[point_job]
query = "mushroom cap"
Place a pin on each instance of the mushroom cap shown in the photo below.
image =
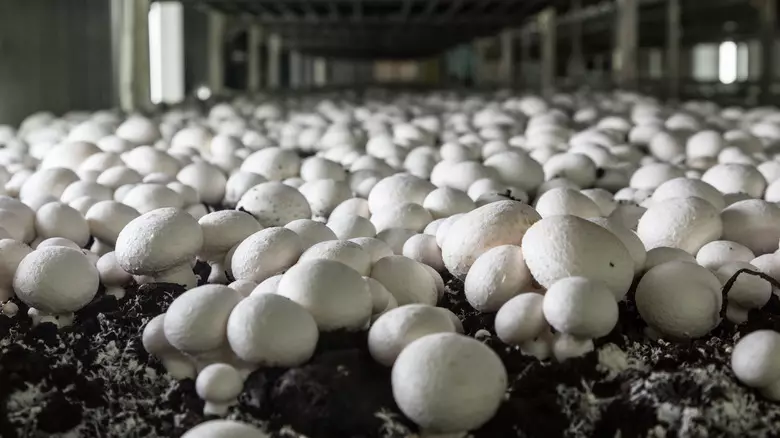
(106, 219)
(148, 160)
(681, 300)
(406, 279)
(158, 241)
(374, 247)
(69, 155)
(225, 229)
(603, 199)
(736, 178)
(663, 254)
(275, 204)
(314, 168)
(755, 359)
(395, 238)
(196, 321)
(517, 169)
(580, 307)
(47, 182)
(753, 223)
(685, 223)
(86, 188)
(56, 280)
(398, 189)
(446, 382)
(117, 176)
(563, 200)
(56, 241)
(11, 254)
(564, 246)
(219, 382)
(498, 223)
(25, 213)
(238, 184)
(381, 299)
(629, 238)
(273, 163)
(146, 197)
(14, 224)
(685, 188)
(269, 286)
(721, 252)
(651, 176)
(351, 206)
(748, 291)
(521, 319)
(333, 293)
(207, 179)
(244, 287)
(343, 251)
(264, 254)
(575, 167)
(311, 232)
(111, 274)
(445, 201)
(153, 337)
(397, 328)
(423, 248)
(271, 330)
(497, 276)
(401, 215)
(56, 219)
(347, 226)
(324, 195)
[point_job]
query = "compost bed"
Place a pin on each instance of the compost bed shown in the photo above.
(94, 379)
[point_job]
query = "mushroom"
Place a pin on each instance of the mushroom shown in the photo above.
(423, 248)
(55, 282)
(375, 248)
(575, 167)
(448, 383)
(347, 226)
(244, 287)
(497, 276)
(748, 292)
(398, 189)
(397, 328)
(11, 254)
(207, 179)
(564, 246)
(264, 254)
(498, 223)
(106, 219)
(718, 253)
(629, 239)
(686, 188)
(753, 223)
(335, 294)
(155, 343)
(324, 195)
(381, 299)
(517, 169)
(401, 215)
(275, 204)
(563, 200)
(344, 251)
(25, 215)
(579, 309)
(444, 202)
(271, 330)
(86, 188)
(224, 429)
(755, 361)
(603, 199)
(685, 223)
(406, 279)
(56, 219)
(679, 300)
(273, 163)
(651, 176)
(47, 182)
(158, 244)
(238, 184)
(352, 206)
(222, 230)
(736, 178)
(520, 321)
(196, 323)
(311, 232)
(113, 277)
(396, 238)
(219, 384)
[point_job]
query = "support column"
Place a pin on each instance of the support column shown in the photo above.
(320, 72)
(479, 62)
(768, 14)
(508, 57)
(525, 57)
(549, 42)
(254, 63)
(673, 40)
(216, 51)
(626, 44)
(131, 56)
(274, 61)
(296, 70)
(576, 61)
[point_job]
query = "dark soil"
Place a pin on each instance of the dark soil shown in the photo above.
(94, 379)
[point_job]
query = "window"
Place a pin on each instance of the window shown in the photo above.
(705, 62)
(727, 62)
(166, 52)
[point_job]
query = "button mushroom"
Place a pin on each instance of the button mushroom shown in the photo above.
(398, 327)
(264, 254)
(222, 230)
(520, 321)
(755, 361)
(747, 292)
(155, 343)
(219, 384)
(495, 277)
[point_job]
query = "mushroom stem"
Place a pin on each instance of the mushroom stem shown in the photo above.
(565, 346)
(117, 292)
(217, 275)
(724, 311)
(218, 408)
(60, 320)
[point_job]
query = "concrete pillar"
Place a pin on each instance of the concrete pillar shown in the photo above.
(254, 70)
(274, 61)
(217, 25)
(768, 14)
(549, 42)
(625, 65)
(673, 41)
(320, 72)
(508, 57)
(576, 60)
(296, 70)
(130, 30)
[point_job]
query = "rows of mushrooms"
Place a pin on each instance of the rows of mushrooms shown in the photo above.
(321, 213)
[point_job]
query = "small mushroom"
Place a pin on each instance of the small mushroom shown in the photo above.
(396, 238)
(685, 188)
(224, 429)
(755, 361)
(11, 254)
(275, 204)
(748, 292)
(56, 219)
(106, 219)
(207, 179)
(55, 282)
(663, 254)
(679, 300)
(113, 277)
(399, 327)
(381, 299)
(238, 184)
(324, 195)
(520, 321)
(264, 254)
(343, 251)
(563, 200)
(718, 253)
(244, 287)
(685, 223)
(375, 248)
(222, 230)
(497, 276)
(423, 248)
(219, 384)
(444, 202)
(335, 294)
(352, 206)
(753, 223)
(348, 226)
(580, 310)
(155, 343)
(311, 232)
(402, 215)
(398, 189)
(629, 239)
(406, 279)
(448, 383)
(269, 286)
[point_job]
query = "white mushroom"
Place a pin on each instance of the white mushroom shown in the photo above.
(753, 223)
(106, 219)
(497, 276)
(11, 254)
(324, 195)
(207, 179)
(563, 200)
(755, 361)
(721, 252)
(343, 251)
(579, 309)
(448, 383)
(222, 230)
(396, 238)
(520, 321)
(147, 197)
(156, 344)
(685, 223)
(347, 226)
(447, 201)
(406, 279)
(746, 293)
(113, 277)
(224, 429)
(219, 384)
(399, 327)
(398, 189)
(381, 299)
(56, 219)
(311, 232)
(375, 248)
(423, 248)
(264, 254)
(275, 204)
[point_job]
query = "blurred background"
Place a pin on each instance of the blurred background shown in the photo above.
(59, 55)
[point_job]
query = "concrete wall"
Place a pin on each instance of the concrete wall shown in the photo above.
(54, 55)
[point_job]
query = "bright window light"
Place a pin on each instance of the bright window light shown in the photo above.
(727, 62)
(166, 52)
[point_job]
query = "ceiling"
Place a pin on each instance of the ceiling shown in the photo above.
(381, 28)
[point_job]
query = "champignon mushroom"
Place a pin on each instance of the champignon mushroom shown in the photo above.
(275, 204)
(224, 429)
(113, 277)
(406, 279)
(718, 253)
(156, 344)
(264, 254)
(685, 223)
(755, 361)
(495, 277)
(11, 254)
(311, 232)
(746, 293)
(219, 384)
(398, 327)
(106, 219)
(520, 321)
(344, 251)
(222, 230)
